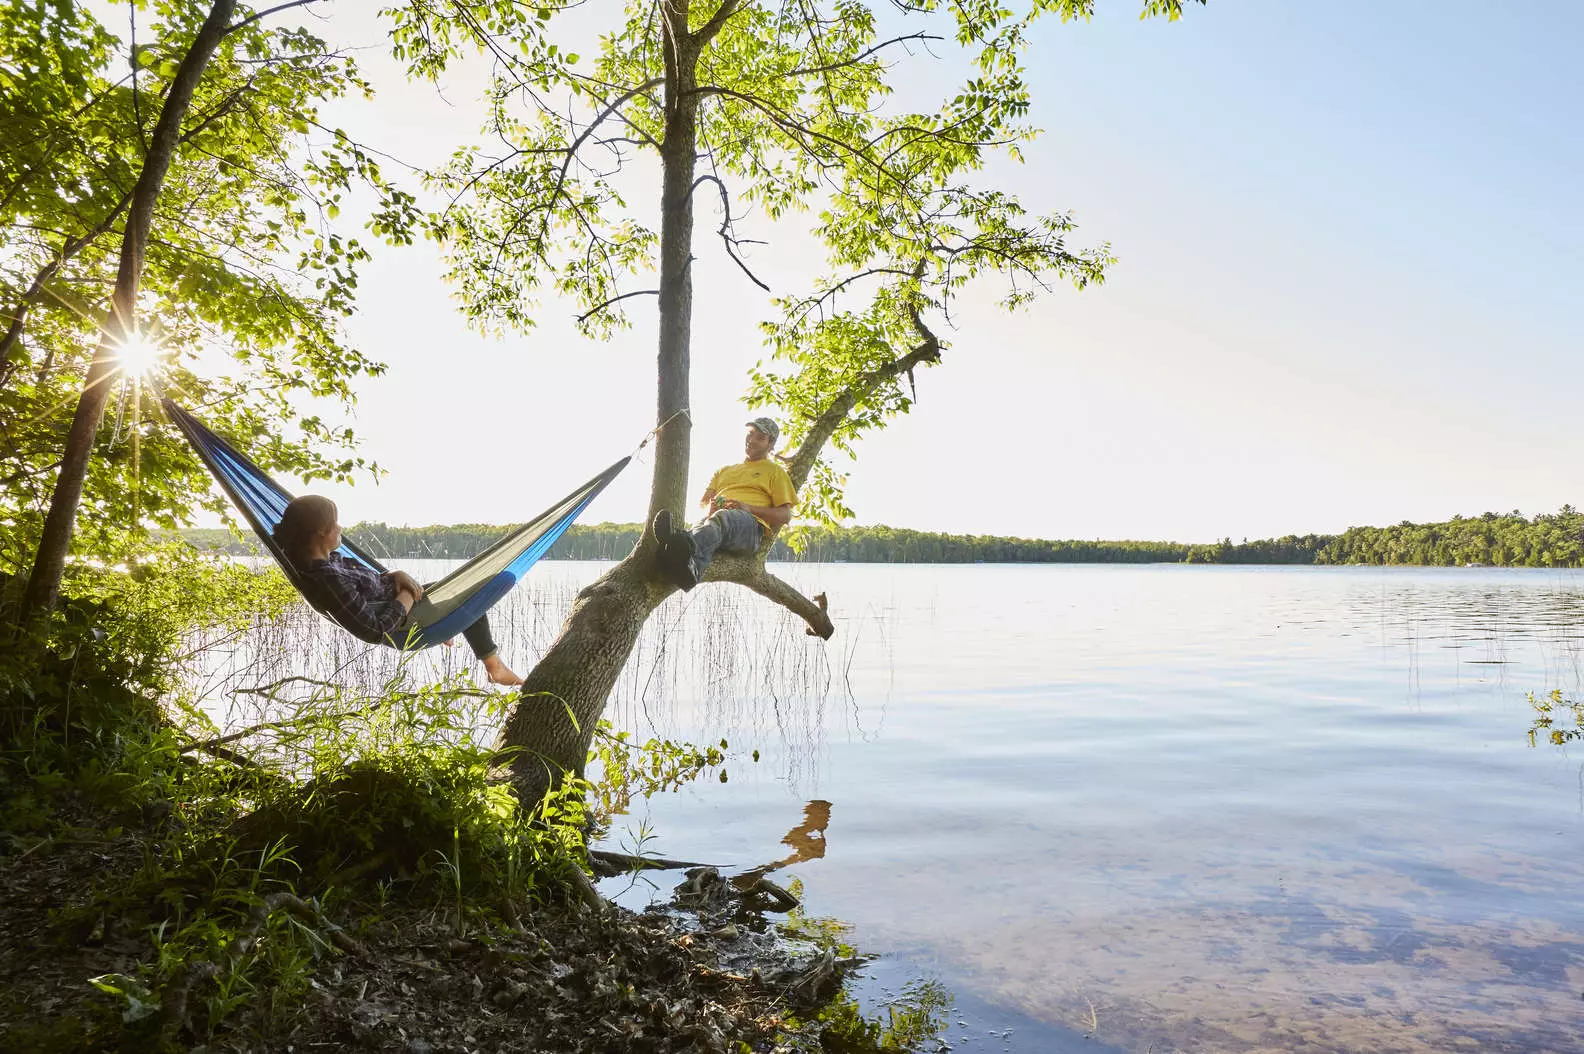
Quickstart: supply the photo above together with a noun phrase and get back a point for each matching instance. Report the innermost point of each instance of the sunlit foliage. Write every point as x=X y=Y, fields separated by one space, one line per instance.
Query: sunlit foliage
x=247 y=274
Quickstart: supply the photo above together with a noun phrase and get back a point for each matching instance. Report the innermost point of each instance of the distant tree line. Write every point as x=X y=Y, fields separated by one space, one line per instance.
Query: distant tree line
x=1511 y=540
x=1289 y=549
x=1499 y=540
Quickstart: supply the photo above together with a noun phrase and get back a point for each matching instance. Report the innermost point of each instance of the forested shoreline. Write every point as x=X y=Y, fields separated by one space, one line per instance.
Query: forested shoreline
x=1495 y=539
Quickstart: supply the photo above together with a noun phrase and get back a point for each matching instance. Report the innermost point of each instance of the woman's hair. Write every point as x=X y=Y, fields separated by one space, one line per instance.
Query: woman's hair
x=301 y=523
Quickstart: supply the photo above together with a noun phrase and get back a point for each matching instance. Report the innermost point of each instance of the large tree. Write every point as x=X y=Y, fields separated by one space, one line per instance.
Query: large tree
x=782 y=106
x=189 y=201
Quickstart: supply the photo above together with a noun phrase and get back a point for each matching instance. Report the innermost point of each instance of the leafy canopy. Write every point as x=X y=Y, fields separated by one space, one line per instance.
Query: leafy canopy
x=247 y=275
x=791 y=111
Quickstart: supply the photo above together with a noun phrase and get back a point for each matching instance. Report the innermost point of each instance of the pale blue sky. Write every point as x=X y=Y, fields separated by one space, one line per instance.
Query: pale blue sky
x=1348 y=234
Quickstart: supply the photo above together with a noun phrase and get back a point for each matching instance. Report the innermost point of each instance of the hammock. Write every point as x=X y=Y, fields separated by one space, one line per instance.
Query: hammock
x=451 y=604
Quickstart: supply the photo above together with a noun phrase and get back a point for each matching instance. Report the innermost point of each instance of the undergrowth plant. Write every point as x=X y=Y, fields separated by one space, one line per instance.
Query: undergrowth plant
x=266 y=849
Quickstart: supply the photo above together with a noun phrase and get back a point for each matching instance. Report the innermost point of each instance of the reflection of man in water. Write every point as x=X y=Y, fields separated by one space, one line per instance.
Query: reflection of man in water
x=807 y=839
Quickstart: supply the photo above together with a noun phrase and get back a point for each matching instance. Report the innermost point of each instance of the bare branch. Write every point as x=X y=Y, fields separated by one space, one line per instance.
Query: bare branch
x=807 y=71
x=265 y=14
x=585 y=316
x=747 y=569
x=727 y=237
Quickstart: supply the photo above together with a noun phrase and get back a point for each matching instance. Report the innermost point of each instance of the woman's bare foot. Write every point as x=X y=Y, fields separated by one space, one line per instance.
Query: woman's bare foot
x=499 y=672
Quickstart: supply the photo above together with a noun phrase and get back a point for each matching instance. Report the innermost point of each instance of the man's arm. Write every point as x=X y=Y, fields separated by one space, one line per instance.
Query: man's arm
x=708 y=500
x=774 y=515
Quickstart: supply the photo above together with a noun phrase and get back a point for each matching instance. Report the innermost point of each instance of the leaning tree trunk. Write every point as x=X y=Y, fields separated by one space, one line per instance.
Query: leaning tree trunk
x=44 y=584
x=549 y=730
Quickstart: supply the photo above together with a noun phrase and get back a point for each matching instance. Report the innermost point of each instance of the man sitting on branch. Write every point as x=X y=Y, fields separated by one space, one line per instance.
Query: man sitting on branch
x=741 y=503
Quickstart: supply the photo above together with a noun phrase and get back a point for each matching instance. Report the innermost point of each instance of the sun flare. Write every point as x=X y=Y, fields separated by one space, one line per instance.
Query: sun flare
x=138 y=355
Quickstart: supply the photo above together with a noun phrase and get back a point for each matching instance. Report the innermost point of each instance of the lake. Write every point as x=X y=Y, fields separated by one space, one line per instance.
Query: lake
x=1138 y=808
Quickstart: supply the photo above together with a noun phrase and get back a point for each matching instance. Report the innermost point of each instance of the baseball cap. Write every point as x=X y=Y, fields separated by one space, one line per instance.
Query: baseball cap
x=768 y=427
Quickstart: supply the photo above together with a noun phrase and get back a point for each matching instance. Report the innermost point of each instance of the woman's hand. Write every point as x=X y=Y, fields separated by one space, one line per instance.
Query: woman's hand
x=404 y=581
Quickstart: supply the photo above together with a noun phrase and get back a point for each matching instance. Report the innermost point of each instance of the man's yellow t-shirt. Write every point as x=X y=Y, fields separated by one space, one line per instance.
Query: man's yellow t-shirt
x=763 y=482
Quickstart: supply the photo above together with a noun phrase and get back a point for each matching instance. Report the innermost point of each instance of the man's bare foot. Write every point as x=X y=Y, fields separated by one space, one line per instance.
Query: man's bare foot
x=499 y=672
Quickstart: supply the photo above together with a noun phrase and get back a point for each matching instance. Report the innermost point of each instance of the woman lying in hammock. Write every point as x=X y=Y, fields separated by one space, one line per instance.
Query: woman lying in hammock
x=371 y=606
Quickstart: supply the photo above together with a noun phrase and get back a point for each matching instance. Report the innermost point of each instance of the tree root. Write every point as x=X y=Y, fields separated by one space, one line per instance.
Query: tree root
x=818 y=981
x=765 y=895
x=586 y=891
x=705 y=889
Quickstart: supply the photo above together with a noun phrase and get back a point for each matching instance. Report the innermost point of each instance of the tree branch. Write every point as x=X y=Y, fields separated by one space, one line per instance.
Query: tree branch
x=825 y=425
x=265 y=14
x=807 y=71
x=72 y=247
x=727 y=238
x=748 y=569
x=717 y=22
x=800 y=131
x=585 y=316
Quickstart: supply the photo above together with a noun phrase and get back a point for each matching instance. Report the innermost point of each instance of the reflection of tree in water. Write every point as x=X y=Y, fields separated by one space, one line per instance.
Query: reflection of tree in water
x=807 y=839
x=913 y=1021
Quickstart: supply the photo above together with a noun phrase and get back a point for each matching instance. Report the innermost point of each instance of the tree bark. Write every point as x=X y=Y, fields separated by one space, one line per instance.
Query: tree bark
x=678 y=158
x=44 y=584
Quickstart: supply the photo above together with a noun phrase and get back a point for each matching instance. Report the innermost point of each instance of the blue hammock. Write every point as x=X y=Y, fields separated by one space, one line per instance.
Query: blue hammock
x=451 y=604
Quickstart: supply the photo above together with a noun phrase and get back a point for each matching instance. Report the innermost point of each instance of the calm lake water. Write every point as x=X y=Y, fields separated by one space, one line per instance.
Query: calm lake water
x=1139 y=808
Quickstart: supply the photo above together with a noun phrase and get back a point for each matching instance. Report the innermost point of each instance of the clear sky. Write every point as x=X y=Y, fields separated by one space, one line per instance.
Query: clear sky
x=1348 y=233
